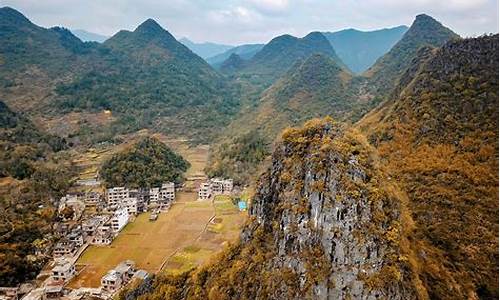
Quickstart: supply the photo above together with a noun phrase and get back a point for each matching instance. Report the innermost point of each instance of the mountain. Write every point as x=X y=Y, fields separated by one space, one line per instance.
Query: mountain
x=425 y=31
x=87 y=36
x=232 y=64
x=244 y=51
x=314 y=87
x=145 y=77
x=438 y=137
x=360 y=49
x=325 y=223
x=205 y=50
x=281 y=53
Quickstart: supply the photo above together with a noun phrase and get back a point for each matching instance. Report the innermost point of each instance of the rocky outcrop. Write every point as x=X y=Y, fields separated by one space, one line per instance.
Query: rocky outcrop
x=334 y=221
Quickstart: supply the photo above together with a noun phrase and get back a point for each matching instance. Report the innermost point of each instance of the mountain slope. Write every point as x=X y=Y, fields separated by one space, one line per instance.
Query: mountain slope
x=325 y=224
x=205 y=50
x=145 y=77
x=425 y=31
x=315 y=87
x=360 y=49
x=282 y=52
x=439 y=138
x=244 y=51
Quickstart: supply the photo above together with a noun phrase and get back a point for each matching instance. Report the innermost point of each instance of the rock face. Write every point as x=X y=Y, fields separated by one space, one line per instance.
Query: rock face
x=333 y=220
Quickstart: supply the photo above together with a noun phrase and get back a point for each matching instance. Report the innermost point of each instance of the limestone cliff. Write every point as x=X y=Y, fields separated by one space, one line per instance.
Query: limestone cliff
x=324 y=196
x=325 y=224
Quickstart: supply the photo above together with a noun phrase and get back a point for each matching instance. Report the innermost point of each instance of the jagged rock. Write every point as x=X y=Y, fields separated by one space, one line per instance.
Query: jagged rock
x=324 y=192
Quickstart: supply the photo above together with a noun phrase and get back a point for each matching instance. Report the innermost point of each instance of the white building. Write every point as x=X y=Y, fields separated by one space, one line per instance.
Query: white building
x=63 y=271
x=167 y=191
x=112 y=281
x=119 y=219
x=116 y=195
x=119 y=276
x=90 y=226
x=167 y=195
x=221 y=186
x=131 y=204
x=205 y=191
x=228 y=186
x=154 y=196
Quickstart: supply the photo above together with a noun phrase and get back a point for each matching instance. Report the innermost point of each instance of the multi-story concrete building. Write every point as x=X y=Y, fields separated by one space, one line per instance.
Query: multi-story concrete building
x=119 y=219
x=204 y=191
x=116 y=195
x=63 y=271
x=64 y=247
x=131 y=204
x=119 y=276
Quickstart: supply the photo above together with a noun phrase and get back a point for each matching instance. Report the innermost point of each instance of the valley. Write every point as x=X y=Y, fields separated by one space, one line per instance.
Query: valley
x=332 y=165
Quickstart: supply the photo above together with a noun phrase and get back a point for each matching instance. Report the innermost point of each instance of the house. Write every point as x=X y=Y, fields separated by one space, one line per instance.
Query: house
x=101 y=239
x=92 y=199
x=9 y=293
x=131 y=204
x=89 y=227
x=72 y=202
x=167 y=191
x=126 y=269
x=217 y=186
x=116 y=195
x=227 y=185
x=76 y=237
x=63 y=271
x=111 y=282
x=118 y=277
x=221 y=186
x=64 y=247
x=205 y=191
x=104 y=235
x=119 y=219
x=88 y=182
x=53 y=290
x=154 y=196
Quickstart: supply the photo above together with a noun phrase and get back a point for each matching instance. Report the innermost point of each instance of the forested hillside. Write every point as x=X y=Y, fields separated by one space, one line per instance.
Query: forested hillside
x=439 y=139
x=148 y=163
x=145 y=77
x=32 y=175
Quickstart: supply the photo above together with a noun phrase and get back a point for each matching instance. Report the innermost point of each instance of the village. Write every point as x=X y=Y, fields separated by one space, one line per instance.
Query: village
x=94 y=218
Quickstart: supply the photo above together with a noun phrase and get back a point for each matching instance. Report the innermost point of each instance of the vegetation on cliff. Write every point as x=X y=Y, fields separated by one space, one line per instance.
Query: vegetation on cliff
x=439 y=138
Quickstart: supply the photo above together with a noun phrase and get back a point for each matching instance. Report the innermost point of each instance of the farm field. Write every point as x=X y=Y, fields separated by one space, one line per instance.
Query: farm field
x=184 y=237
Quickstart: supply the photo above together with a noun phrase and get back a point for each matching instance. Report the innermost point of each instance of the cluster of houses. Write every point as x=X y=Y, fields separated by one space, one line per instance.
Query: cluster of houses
x=111 y=212
x=213 y=187
x=95 y=218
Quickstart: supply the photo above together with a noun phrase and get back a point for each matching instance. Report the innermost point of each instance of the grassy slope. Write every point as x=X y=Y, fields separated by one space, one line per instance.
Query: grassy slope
x=439 y=138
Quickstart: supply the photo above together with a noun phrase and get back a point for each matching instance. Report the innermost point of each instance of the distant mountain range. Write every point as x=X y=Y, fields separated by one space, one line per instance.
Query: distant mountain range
x=87 y=36
x=360 y=49
x=357 y=49
x=205 y=50
x=245 y=52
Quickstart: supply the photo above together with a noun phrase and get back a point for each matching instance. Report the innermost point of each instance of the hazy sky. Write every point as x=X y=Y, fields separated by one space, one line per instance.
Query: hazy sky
x=238 y=21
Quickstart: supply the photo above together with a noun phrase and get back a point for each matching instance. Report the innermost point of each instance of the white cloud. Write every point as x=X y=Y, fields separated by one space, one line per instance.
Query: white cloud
x=270 y=6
